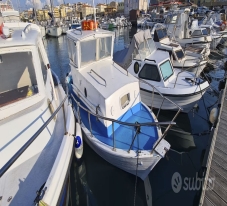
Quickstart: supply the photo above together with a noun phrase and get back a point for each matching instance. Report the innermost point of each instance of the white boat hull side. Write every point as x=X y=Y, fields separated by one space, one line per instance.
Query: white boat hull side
x=54 y=31
x=121 y=158
x=185 y=102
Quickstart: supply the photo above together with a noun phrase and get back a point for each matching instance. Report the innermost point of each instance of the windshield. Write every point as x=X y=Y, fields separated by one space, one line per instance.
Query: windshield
x=146 y=48
x=166 y=70
x=162 y=33
x=95 y=49
x=17 y=79
x=180 y=54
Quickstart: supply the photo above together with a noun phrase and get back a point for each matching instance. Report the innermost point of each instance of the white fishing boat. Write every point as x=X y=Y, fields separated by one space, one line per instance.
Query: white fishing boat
x=180 y=60
x=36 y=122
x=154 y=67
x=115 y=123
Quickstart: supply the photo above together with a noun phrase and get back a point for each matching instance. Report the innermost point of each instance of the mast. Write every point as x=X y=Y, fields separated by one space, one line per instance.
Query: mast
x=94 y=13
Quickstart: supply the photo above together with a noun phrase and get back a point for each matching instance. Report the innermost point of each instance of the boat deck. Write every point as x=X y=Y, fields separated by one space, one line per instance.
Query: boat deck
x=215 y=185
x=124 y=134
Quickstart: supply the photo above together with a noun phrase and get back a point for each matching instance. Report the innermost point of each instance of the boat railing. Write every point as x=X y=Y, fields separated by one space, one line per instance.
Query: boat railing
x=8 y=164
x=98 y=76
x=134 y=125
x=195 y=76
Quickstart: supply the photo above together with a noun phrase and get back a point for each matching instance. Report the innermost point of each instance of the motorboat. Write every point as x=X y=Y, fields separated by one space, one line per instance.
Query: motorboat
x=177 y=25
x=180 y=60
x=54 y=30
x=107 y=104
x=36 y=121
x=154 y=67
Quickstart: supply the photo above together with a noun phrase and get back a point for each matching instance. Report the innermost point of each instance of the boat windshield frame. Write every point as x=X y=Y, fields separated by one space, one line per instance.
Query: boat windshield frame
x=161 y=71
x=147 y=48
x=176 y=52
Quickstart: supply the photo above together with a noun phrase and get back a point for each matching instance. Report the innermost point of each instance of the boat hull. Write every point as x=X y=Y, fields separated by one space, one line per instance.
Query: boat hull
x=121 y=158
x=54 y=31
x=186 y=102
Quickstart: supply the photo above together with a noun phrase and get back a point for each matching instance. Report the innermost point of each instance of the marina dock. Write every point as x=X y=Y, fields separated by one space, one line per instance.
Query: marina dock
x=215 y=162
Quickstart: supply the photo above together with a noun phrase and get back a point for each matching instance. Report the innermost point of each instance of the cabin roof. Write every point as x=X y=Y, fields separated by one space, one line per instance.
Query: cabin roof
x=79 y=35
x=16 y=39
x=158 y=56
x=114 y=75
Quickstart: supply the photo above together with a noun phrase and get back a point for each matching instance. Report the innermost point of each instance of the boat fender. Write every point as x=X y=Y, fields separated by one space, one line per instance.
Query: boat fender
x=213 y=115
x=223 y=26
x=78 y=142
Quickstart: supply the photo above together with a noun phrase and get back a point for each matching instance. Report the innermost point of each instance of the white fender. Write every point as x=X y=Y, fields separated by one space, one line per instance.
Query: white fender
x=213 y=115
x=78 y=142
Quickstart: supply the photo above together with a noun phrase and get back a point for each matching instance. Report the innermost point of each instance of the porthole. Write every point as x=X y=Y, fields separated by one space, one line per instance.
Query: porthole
x=136 y=67
x=85 y=92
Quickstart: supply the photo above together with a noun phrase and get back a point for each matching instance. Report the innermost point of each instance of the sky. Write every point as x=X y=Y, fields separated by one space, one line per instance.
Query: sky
x=38 y=4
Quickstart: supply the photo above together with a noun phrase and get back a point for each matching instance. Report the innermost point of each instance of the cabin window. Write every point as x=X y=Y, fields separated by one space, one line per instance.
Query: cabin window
x=166 y=70
x=17 y=77
x=150 y=72
x=95 y=49
x=125 y=100
x=72 y=51
x=180 y=54
x=197 y=33
x=204 y=31
x=208 y=30
x=88 y=51
x=105 y=47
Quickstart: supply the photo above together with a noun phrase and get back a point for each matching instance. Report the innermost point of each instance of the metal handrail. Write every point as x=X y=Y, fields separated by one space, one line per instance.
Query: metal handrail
x=99 y=76
x=186 y=70
x=28 y=143
x=136 y=125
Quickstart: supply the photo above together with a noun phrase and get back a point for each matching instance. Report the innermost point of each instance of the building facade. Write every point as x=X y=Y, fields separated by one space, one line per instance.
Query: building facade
x=101 y=8
x=141 y=5
x=120 y=7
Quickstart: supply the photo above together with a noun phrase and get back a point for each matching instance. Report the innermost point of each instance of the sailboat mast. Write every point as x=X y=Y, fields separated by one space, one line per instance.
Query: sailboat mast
x=94 y=12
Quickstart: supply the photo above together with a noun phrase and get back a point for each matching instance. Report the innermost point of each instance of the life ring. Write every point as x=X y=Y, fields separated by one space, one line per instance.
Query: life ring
x=223 y=26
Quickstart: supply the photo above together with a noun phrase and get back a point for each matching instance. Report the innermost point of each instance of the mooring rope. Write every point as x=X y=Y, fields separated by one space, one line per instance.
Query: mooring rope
x=136 y=177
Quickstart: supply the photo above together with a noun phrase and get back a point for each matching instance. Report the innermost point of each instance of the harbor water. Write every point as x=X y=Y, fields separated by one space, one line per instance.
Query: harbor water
x=94 y=182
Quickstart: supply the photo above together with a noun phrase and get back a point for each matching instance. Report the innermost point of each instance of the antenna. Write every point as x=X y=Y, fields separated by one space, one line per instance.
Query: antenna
x=94 y=14
x=9 y=2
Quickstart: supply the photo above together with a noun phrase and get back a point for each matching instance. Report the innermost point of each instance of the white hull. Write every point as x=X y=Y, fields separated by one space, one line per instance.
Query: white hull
x=54 y=31
x=185 y=102
x=121 y=158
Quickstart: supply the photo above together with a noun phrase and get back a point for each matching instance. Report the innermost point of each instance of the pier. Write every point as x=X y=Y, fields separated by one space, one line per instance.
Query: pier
x=215 y=161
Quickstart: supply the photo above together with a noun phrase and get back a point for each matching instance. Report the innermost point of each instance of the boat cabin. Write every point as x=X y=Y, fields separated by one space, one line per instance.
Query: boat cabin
x=22 y=82
x=101 y=85
x=146 y=62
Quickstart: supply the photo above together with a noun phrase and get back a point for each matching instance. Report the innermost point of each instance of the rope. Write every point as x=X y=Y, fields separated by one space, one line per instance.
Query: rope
x=136 y=177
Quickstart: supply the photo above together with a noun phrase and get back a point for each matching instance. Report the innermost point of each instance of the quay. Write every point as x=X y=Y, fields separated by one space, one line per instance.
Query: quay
x=214 y=188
